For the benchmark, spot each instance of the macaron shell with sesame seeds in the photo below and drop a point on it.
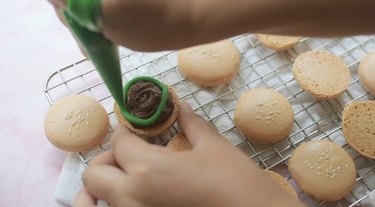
(323, 170)
(321, 74)
(358, 126)
(277, 42)
(264, 116)
(76, 123)
(210, 64)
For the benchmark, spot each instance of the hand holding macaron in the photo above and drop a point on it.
(214, 173)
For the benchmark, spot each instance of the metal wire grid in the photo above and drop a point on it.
(260, 67)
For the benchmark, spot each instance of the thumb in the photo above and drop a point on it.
(197, 130)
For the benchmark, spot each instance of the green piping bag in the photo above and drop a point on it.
(84, 19)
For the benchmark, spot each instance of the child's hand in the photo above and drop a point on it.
(214, 174)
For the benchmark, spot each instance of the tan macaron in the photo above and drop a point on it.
(366, 72)
(210, 64)
(282, 183)
(76, 123)
(179, 143)
(323, 170)
(321, 74)
(152, 130)
(277, 42)
(264, 116)
(358, 125)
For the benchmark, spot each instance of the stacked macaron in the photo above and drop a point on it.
(146, 99)
(79, 123)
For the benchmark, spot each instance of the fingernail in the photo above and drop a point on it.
(186, 107)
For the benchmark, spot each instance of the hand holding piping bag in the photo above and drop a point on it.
(154, 25)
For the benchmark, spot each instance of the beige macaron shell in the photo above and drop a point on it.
(179, 143)
(282, 183)
(153, 130)
(210, 64)
(323, 169)
(277, 42)
(264, 116)
(359, 127)
(366, 72)
(321, 74)
(76, 123)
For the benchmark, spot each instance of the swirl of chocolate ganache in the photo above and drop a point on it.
(143, 99)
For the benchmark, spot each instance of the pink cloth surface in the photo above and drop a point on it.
(33, 44)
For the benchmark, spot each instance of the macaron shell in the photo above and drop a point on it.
(323, 169)
(76, 123)
(153, 130)
(264, 116)
(366, 72)
(210, 64)
(179, 143)
(359, 127)
(277, 42)
(321, 74)
(282, 183)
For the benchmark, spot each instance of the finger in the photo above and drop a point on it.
(59, 14)
(104, 181)
(58, 3)
(104, 158)
(189, 123)
(84, 199)
(61, 17)
(130, 149)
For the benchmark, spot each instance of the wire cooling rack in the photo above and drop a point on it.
(260, 67)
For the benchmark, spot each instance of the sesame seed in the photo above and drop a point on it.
(346, 165)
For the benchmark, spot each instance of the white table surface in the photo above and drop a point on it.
(33, 44)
